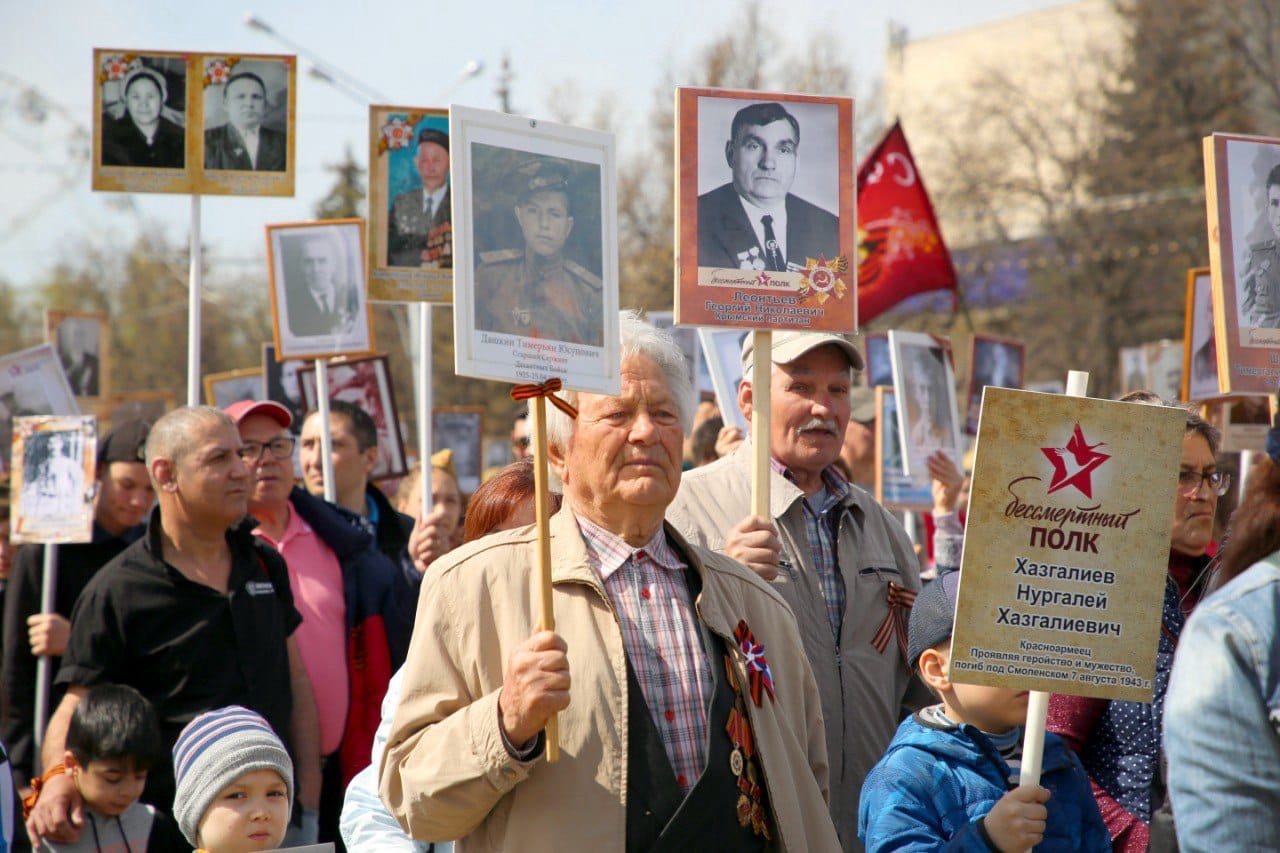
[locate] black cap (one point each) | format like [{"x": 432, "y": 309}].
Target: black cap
[
  {"x": 430, "y": 134},
  {"x": 932, "y": 616},
  {"x": 124, "y": 443}
]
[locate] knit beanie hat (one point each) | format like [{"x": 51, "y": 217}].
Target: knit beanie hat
[{"x": 214, "y": 750}]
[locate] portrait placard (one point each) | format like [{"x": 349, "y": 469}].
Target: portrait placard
[
  {"x": 687, "y": 340},
  {"x": 765, "y": 211},
  {"x": 535, "y": 251},
  {"x": 365, "y": 383},
  {"x": 722, "y": 354},
  {"x": 244, "y": 123},
  {"x": 1243, "y": 422},
  {"x": 1242, "y": 195},
  {"x": 1066, "y": 545},
  {"x": 319, "y": 296},
  {"x": 140, "y": 109},
  {"x": 280, "y": 383},
  {"x": 461, "y": 429},
  {"x": 998, "y": 362},
  {"x": 1199, "y": 341},
  {"x": 879, "y": 365},
  {"x": 52, "y": 486},
  {"x": 146, "y": 406},
  {"x": 925, "y": 384},
  {"x": 410, "y": 217},
  {"x": 1164, "y": 368},
  {"x": 32, "y": 382},
  {"x": 232, "y": 386},
  {"x": 1134, "y": 373},
  {"x": 83, "y": 345},
  {"x": 894, "y": 489}
]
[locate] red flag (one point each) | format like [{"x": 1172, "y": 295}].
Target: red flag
[{"x": 900, "y": 249}]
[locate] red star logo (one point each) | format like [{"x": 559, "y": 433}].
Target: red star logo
[
  {"x": 763, "y": 279},
  {"x": 1074, "y": 464}
]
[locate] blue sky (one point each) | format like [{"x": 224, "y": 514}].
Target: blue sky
[{"x": 412, "y": 53}]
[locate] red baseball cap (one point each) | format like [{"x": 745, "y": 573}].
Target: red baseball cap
[{"x": 240, "y": 410}]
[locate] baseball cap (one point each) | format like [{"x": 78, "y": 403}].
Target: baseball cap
[
  {"x": 240, "y": 410},
  {"x": 863, "y": 404},
  {"x": 932, "y": 616},
  {"x": 124, "y": 443},
  {"x": 788, "y": 346}
]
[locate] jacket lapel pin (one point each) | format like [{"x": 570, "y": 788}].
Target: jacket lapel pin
[{"x": 758, "y": 674}]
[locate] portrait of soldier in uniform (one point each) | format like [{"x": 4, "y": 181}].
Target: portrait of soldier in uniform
[
  {"x": 244, "y": 141},
  {"x": 536, "y": 290},
  {"x": 755, "y": 221},
  {"x": 1260, "y": 281},
  {"x": 418, "y": 233}
]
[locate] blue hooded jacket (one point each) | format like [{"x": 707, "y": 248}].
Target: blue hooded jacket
[{"x": 934, "y": 785}]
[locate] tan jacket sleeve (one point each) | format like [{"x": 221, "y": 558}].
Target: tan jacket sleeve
[{"x": 445, "y": 767}]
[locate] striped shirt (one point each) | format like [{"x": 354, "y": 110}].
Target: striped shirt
[
  {"x": 822, "y": 524},
  {"x": 651, "y": 600}
]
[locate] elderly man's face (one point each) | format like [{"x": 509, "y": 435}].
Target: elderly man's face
[
  {"x": 212, "y": 481},
  {"x": 809, "y": 409},
  {"x": 245, "y": 102},
  {"x": 318, "y": 265},
  {"x": 432, "y": 161},
  {"x": 545, "y": 222},
  {"x": 272, "y": 478},
  {"x": 1193, "y": 510},
  {"x": 143, "y": 102},
  {"x": 625, "y": 449},
  {"x": 763, "y": 160},
  {"x": 1273, "y": 207}
]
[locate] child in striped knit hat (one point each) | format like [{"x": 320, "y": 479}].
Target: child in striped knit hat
[{"x": 234, "y": 782}]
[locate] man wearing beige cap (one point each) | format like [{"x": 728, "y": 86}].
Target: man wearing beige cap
[{"x": 841, "y": 561}]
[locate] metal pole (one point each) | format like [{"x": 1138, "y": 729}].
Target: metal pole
[
  {"x": 424, "y": 403},
  {"x": 194, "y": 283},
  {"x": 326, "y": 429},
  {"x": 44, "y": 673}
]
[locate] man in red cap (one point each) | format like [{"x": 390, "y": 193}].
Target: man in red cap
[{"x": 343, "y": 586}]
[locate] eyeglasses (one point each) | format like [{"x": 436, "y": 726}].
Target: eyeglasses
[
  {"x": 1218, "y": 482},
  {"x": 281, "y": 448}
]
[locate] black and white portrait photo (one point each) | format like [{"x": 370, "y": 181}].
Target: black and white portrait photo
[
  {"x": 144, "y": 103},
  {"x": 996, "y": 362},
  {"x": 232, "y": 386},
  {"x": 924, "y": 383},
  {"x": 81, "y": 343},
  {"x": 282, "y": 385},
  {"x": 461, "y": 429},
  {"x": 53, "y": 498},
  {"x": 1200, "y": 361},
  {"x": 879, "y": 365},
  {"x": 769, "y": 200},
  {"x": 318, "y": 289},
  {"x": 246, "y": 116}
]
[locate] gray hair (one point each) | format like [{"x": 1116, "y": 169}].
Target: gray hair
[
  {"x": 174, "y": 436},
  {"x": 1195, "y": 423},
  {"x": 638, "y": 338}
]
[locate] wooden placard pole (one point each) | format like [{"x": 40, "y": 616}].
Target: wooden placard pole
[
  {"x": 542, "y": 513},
  {"x": 761, "y": 378},
  {"x": 194, "y": 287},
  {"x": 424, "y": 404},
  {"x": 44, "y": 672},
  {"x": 326, "y": 429},
  {"x": 1038, "y": 700}
]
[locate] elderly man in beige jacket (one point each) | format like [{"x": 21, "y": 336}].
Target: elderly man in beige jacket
[
  {"x": 842, "y": 562},
  {"x": 689, "y": 718}
]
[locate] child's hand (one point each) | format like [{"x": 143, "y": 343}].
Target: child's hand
[{"x": 1016, "y": 822}]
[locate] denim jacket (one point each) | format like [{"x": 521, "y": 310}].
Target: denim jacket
[{"x": 1222, "y": 718}]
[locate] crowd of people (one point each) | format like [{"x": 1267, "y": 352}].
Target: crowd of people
[{"x": 242, "y": 664}]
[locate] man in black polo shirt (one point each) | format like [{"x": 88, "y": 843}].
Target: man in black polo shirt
[{"x": 195, "y": 615}]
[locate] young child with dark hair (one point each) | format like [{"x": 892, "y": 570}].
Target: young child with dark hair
[
  {"x": 950, "y": 777},
  {"x": 112, "y": 741}
]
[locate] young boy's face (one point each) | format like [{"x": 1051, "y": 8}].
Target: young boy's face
[
  {"x": 110, "y": 785},
  {"x": 991, "y": 709},
  {"x": 252, "y": 813}
]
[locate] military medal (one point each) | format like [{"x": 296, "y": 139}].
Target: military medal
[{"x": 750, "y": 807}]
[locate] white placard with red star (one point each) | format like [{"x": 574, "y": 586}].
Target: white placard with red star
[{"x": 1066, "y": 545}]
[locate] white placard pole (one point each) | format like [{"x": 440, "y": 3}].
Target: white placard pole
[
  {"x": 1038, "y": 700},
  {"x": 761, "y": 377},
  {"x": 194, "y": 281},
  {"x": 424, "y": 404},
  {"x": 44, "y": 671},
  {"x": 326, "y": 429}
]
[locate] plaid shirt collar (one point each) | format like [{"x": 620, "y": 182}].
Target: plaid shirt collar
[
  {"x": 837, "y": 486},
  {"x": 609, "y": 552}
]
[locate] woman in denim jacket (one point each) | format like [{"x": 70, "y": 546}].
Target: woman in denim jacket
[{"x": 1222, "y": 714}]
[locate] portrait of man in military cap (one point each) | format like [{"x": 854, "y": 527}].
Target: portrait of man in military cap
[
  {"x": 536, "y": 288},
  {"x": 417, "y": 232}
]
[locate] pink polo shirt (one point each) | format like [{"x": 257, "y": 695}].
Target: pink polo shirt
[{"x": 316, "y": 579}]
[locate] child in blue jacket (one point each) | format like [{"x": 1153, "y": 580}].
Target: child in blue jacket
[{"x": 949, "y": 778}]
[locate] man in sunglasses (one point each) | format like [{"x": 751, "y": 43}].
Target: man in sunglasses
[
  {"x": 1119, "y": 742},
  {"x": 342, "y": 585}
]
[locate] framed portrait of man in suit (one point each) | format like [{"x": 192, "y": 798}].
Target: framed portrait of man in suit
[
  {"x": 82, "y": 341},
  {"x": 246, "y": 110},
  {"x": 765, "y": 211},
  {"x": 410, "y": 205},
  {"x": 140, "y": 121},
  {"x": 319, "y": 297}
]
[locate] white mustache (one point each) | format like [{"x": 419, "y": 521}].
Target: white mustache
[{"x": 818, "y": 423}]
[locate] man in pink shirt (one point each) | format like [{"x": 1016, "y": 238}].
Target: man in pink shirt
[{"x": 342, "y": 586}]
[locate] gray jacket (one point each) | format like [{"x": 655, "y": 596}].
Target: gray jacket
[{"x": 862, "y": 690}]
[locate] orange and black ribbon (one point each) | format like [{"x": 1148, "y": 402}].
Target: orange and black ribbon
[
  {"x": 29, "y": 801},
  {"x": 547, "y": 389},
  {"x": 895, "y": 621}
]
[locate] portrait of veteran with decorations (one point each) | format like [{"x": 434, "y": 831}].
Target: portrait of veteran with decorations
[
  {"x": 536, "y": 291},
  {"x": 688, "y": 716}
]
